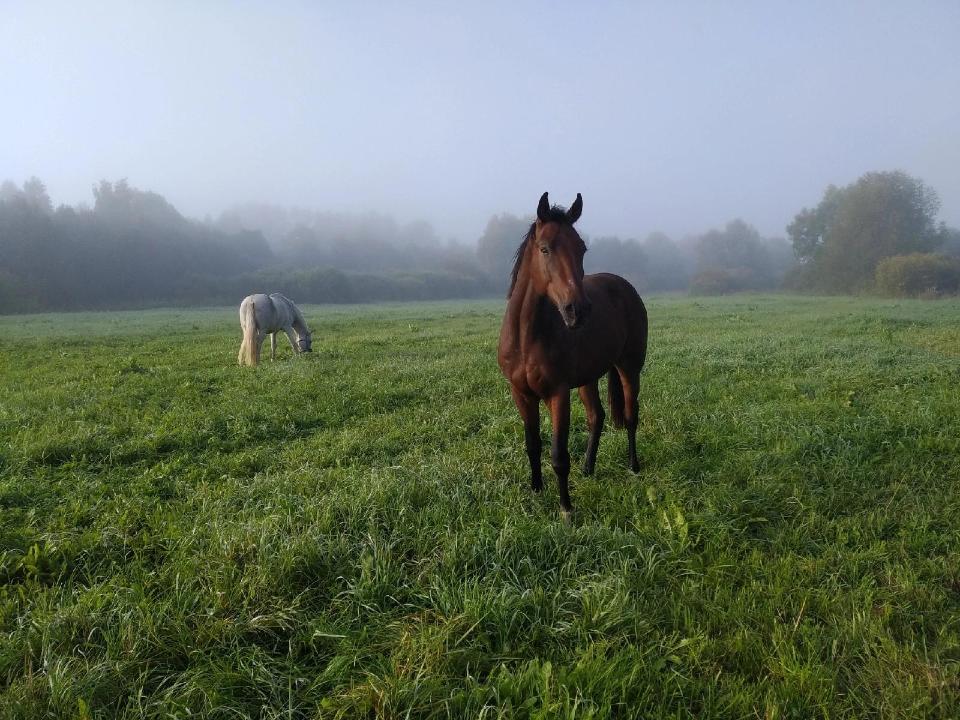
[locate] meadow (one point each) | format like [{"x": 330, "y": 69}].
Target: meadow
[{"x": 351, "y": 534}]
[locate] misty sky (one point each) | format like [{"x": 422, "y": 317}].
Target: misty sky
[{"x": 669, "y": 116}]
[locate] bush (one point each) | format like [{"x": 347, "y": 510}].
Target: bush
[
  {"x": 18, "y": 296},
  {"x": 721, "y": 282},
  {"x": 918, "y": 275},
  {"x": 329, "y": 285},
  {"x": 800, "y": 278}
]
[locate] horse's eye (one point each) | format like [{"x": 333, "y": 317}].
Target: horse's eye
[{"x": 545, "y": 250}]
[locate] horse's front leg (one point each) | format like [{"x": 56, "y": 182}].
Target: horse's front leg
[
  {"x": 293, "y": 340},
  {"x": 273, "y": 346},
  {"x": 529, "y": 407},
  {"x": 559, "y": 455}
]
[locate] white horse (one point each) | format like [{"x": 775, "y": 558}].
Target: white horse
[{"x": 261, "y": 315}]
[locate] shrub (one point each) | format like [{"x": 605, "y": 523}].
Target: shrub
[
  {"x": 19, "y": 296},
  {"x": 721, "y": 282},
  {"x": 918, "y": 275}
]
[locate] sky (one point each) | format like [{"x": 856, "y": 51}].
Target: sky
[{"x": 666, "y": 116}]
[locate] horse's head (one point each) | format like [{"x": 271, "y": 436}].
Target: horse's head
[
  {"x": 555, "y": 257},
  {"x": 304, "y": 343}
]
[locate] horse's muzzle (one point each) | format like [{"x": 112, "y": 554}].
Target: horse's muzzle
[{"x": 575, "y": 314}]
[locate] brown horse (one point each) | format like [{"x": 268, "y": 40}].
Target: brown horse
[{"x": 564, "y": 330}]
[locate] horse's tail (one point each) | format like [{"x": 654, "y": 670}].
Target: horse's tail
[
  {"x": 615, "y": 398},
  {"x": 249, "y": 347}
]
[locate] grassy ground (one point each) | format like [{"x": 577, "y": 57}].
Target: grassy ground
[{"x": 351, "y": 534}]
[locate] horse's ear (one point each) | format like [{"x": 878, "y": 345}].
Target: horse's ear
[
  {"x": 573, "y": 214},
  {"x": 543, "y": 209}
]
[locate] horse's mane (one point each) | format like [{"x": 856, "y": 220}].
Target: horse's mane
[{"x": 557, "y": 214}]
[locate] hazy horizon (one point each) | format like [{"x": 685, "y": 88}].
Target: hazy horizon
[{"x": 664, "y": 118}]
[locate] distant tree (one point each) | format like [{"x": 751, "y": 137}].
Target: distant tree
[
  {"x": 668, "y": 266},
  {"x": 119, "y": 203},
  {"x": 357, "y": 242},
  {"x": 274, "y": 221},
  {"x": 35, "y": 194},
  {"x": 809, "y": 228},
  {"x": 740, "y": 252},
  {"x": 28, "y": 241},
  {"x": 623, "y": 257},
  {"x": 499, "y": 242},
  {"x": 882, "y": 214},
  {"x": 951, "y": 241},
  {"x": 736, "y": 246},
  {"x": 781, "y": 258},
  {"x": 133, "y": 248},
  {"x": 9, "y": 191},
  {"x": 417, "y": 233}
]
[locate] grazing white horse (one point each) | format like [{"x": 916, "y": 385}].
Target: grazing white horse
[{"x": 261, "y": 315}]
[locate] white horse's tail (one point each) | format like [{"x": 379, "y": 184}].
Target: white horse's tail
[{"x": 249, "y": 347}]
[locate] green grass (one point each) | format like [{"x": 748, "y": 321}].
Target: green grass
[{"x": 351, "y": 534}]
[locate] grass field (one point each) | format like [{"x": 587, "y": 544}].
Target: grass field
[{"x": 351, "y": 534}]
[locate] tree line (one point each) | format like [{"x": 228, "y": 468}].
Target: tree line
[
  {"x": 132, "y": 248},
  {"x": 878, "y": 233}
]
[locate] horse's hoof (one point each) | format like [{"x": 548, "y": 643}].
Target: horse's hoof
[
  {"x": 536, "y": 487},
  {"x": 635, "y": 465},
  {"x": 588, "y": 469},
  {"x": 566, "y": 516}
]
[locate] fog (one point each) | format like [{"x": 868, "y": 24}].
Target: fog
[
  {"x": 178, "y": 153},
  {"x": 671, "y": 118}
]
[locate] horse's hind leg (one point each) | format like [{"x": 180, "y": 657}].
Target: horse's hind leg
[
  {"x": 590, "y": 397},
  {"x": 273, "y": 346},
  {"x": 559, "y": 455},
  {"x": 261, "y": 336},
  {"x": 631, "y": 391}
]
